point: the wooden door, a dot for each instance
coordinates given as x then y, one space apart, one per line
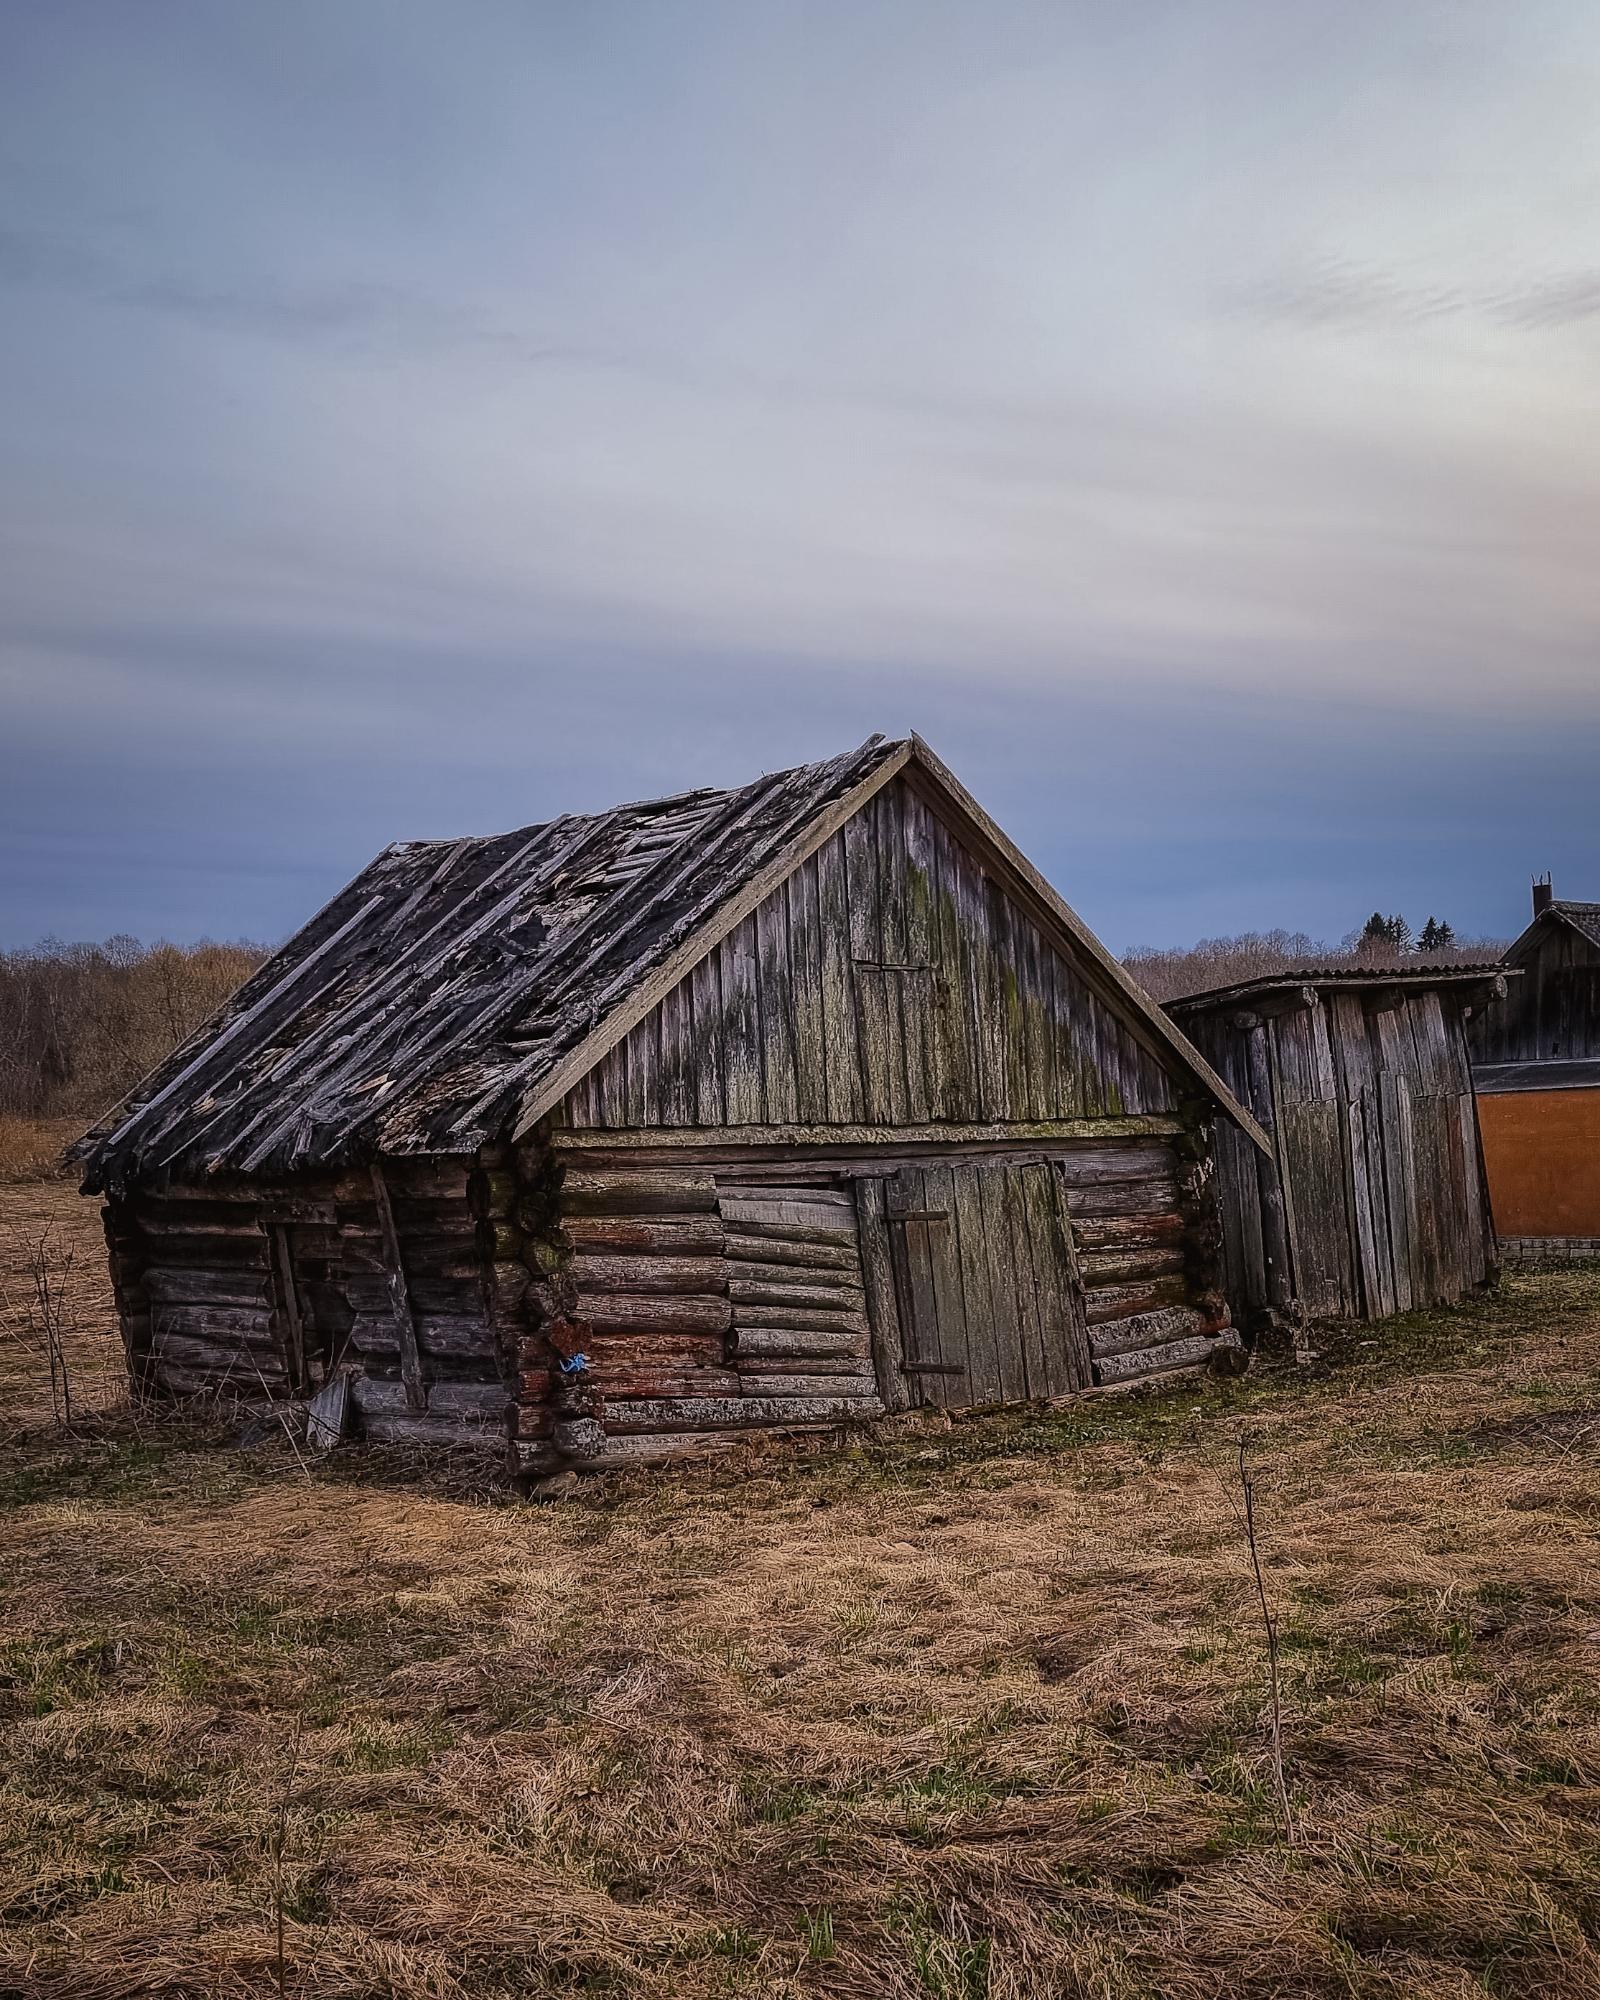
990 1302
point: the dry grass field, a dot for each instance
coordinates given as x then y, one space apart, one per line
980 1711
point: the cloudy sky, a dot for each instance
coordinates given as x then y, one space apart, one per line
424 416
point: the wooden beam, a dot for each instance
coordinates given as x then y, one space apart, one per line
405 1325
698 1138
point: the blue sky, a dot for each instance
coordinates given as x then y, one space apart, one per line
418 419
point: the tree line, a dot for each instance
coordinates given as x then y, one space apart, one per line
81 1023
1171 973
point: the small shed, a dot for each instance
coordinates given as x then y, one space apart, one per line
628 1133
1374 1200
1536 1062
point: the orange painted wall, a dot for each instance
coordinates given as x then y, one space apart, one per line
1542 1149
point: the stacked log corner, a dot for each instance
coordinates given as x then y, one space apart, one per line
1151 1252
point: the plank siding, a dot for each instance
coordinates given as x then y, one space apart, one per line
1369 1098
889 981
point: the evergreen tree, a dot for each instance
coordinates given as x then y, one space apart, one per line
1374 932
1447 937
1399 933
1428 939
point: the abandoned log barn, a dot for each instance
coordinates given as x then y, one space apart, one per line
1374 1199
617 1135
1536 1061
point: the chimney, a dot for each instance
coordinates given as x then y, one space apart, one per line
1543 895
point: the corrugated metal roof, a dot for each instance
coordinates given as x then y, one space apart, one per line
1345 977
1508 1079
435 990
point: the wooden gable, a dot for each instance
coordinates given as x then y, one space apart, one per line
891 979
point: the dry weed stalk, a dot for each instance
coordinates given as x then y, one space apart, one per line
50 1317
1270 1624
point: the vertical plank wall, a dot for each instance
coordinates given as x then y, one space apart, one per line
1552 1013
890 981
1369 1098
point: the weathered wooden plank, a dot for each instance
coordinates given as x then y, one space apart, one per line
227 1325
708 1043
1112 1266
836 1280
778 1193
288 1324
790 1291
797 1343
882 1090
1148 1231
1104 1147
765 1235
1106 1302
765 1386
609 1272
841 1318
843 1093
740 1212
674 1080
883 1313
775 999
197 1285
1189 1353
1032 1280
808 1026
1154 1197
597 1191
692 1413
689 1235
979 1309
832 1253
1145 1330
736 959
400 1305
619 1312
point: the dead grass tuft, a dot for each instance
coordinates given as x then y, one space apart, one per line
977 1709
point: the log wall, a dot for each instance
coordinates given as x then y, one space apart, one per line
262 1290
709 1297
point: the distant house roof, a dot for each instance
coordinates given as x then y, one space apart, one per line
458 986
1584 918
1341 978
1511 1078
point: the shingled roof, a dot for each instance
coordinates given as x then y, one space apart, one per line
457 986
1584 918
